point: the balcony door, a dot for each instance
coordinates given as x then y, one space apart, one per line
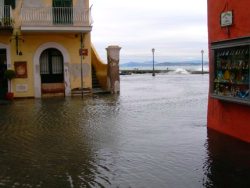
5 12
11 3
1 10
62 12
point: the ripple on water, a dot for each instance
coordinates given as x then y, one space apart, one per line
151 135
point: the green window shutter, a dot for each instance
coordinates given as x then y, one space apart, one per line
62 3
67 3
57 3
12 3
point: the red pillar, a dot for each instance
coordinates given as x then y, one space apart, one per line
227 117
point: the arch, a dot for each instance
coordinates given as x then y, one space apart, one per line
36 67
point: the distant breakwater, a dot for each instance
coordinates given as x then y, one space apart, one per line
137 71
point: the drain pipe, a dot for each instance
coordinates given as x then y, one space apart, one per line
81 55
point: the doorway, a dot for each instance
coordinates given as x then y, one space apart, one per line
51 66
3 68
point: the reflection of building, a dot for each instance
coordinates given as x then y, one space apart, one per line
227 163
229 42
47 37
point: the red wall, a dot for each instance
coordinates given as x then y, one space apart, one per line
226 117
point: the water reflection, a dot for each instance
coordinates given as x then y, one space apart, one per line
151 135
47 143
228 162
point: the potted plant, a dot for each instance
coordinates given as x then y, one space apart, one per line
9 74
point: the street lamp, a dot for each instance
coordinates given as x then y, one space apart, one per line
153 51
202 52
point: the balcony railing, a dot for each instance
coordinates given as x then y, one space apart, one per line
55 16
6 19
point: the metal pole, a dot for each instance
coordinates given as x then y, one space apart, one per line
202 51
153 51
81 65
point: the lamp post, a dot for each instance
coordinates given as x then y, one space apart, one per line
202 52
153 51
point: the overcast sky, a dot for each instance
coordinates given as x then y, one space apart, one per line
177 29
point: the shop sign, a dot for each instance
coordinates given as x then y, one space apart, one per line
83 52
226 19
21 87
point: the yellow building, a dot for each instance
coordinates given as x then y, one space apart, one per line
41 41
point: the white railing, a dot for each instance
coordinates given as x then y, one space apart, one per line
6 18
55 16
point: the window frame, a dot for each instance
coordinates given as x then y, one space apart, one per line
11 3
232 44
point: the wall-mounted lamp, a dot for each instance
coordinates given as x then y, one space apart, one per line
17 38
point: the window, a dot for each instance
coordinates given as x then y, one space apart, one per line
12 3
231 71
62 3
62 12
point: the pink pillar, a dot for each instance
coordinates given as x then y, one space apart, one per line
113 78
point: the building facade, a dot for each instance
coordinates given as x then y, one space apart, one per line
45 42
229 61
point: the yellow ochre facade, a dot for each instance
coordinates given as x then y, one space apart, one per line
46 42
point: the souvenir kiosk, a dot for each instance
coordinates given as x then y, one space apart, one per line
229 64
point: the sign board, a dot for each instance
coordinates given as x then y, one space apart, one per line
21 69
226 19
83 52
21 87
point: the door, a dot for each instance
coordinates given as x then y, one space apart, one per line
51 66
1 10
3 68
5 8
62 12
11 3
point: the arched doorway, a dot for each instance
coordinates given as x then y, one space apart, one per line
51 66
52 71
36 67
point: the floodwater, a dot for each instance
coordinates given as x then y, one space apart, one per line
151 135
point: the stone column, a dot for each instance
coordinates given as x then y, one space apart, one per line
113 76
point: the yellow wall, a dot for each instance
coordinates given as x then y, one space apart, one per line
100 67
71 42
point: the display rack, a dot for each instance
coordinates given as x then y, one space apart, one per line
231 73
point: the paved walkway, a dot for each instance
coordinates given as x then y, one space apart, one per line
2 102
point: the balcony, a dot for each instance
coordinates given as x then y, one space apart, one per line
56 19
6 19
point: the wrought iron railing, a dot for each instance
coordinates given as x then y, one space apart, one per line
52 16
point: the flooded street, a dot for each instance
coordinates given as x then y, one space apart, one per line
151 135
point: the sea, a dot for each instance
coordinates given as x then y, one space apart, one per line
153 134
175 69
